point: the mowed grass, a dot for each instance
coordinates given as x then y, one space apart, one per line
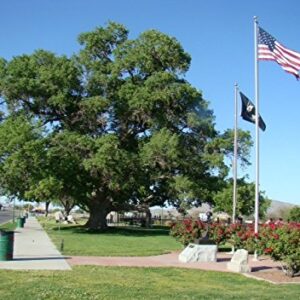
86 282
121 241
8 226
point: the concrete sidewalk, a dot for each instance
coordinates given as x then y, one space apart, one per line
33 250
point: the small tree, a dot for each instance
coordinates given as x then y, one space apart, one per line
245 199
294 214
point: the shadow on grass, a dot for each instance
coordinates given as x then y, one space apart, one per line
125 231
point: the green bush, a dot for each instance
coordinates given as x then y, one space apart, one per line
294 214
282 243
187 231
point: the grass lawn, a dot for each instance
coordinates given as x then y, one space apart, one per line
137 283
122 241
8 226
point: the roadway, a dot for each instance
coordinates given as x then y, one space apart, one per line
6 215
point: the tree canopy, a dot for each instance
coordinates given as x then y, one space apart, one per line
245 199
294 214
115 124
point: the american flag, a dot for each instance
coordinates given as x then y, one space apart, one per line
270 49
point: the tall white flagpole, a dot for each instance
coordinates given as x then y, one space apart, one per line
234 165
256 211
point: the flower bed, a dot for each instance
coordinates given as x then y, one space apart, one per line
187 231
281 242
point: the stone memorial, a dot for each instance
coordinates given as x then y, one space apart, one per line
239 262
198 253
202 250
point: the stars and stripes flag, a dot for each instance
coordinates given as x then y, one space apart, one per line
270 49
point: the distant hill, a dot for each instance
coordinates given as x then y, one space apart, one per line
279 208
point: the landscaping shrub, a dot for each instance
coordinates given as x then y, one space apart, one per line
281 242
218 232
187 230
241 236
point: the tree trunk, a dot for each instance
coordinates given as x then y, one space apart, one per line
47 208
148 218
98 212
68 204
67 207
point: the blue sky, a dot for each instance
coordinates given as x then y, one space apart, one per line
219 37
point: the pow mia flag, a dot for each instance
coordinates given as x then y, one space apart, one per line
248 112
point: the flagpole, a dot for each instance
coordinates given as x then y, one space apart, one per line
256 73
234 167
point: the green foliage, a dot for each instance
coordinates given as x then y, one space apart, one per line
152 52
245 199
244 142
42 84
110 163
188 230
241 236
294 214
48 188
21 150
114 125
282 242
161 150
8 226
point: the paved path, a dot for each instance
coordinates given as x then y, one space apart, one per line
171 260
264 268
33 250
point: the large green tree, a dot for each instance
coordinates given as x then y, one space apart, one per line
115 124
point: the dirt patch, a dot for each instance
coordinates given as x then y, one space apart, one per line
270 270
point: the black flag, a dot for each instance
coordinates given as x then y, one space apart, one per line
248 112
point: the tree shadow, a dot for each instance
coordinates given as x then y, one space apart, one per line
124 231
263 268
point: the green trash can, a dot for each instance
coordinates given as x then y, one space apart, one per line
6 245
20 223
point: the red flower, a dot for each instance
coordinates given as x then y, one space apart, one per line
272 226
268 250
189 228
186 222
